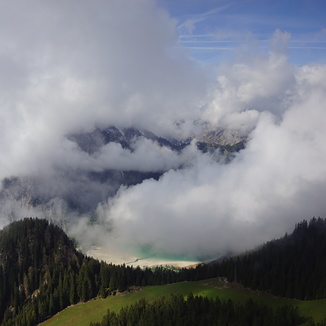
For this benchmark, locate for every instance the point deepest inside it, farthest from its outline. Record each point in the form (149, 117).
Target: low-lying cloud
(278, 180)
(69, 67)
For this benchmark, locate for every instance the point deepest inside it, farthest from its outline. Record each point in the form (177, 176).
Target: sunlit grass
(92, 311)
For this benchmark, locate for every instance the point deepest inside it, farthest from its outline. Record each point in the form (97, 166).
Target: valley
(110, 256)
(164, 160)
(43, 277)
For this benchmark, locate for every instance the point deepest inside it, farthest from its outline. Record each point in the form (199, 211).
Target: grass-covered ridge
(93, 311)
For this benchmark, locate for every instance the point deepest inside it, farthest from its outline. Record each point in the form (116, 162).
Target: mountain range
(81, 190)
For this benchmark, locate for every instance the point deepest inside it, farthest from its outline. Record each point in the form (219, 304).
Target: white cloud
(260, 82)
(189, 25)
(276, 181)
(145, 156)
(68, 66)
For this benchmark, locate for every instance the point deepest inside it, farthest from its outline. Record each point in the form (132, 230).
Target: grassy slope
(84, 313)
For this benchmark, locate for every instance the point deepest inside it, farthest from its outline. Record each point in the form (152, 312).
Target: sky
(213, 30)
(256, 66)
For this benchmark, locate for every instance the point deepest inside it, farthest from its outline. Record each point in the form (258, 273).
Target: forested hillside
(175, 310)
(293, 266)
(41, 273)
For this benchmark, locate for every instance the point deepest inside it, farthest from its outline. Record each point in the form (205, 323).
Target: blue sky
(216, 30)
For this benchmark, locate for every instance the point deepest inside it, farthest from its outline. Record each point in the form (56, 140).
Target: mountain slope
(41, 273)
(32, 251)
(293, 266)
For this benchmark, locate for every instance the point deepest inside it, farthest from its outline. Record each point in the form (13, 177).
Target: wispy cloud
(311, 46)
(189, 25)
(237, 22)
(204, 48)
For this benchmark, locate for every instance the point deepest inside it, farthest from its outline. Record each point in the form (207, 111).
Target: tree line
(41, 272)
(293, 266)
(175, 310)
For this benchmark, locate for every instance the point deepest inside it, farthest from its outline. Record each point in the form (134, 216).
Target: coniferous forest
(41, 273)
(293, 266)
(174, 310)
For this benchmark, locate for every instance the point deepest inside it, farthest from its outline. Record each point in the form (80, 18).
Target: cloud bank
(278, 180)
(68, 67)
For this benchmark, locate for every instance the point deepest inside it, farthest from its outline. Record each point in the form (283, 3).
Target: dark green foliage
(175, 310)
(41, 273)
(34, 255)
(293, 266)
(310, 322)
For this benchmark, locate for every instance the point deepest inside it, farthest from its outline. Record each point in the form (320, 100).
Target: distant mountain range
(225, 140)
(82, 190)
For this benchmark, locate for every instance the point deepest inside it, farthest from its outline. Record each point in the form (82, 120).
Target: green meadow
(83, 314)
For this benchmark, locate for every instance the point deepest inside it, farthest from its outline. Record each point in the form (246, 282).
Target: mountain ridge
(84, 189)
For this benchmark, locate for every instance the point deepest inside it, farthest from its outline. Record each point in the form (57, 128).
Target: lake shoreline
(117, 258)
